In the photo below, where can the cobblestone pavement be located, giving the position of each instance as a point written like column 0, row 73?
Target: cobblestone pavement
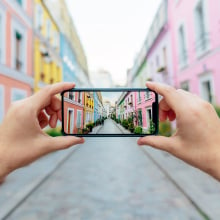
column 109, row 127
column 107, row 178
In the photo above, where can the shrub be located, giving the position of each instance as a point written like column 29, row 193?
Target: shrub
column 85, row 130
column 138, row 130
column 217, row 109
column 151, row 128
column 125, row 124
column 131, row 127
column 165, row 129
column 54, row 132
column 90, row 126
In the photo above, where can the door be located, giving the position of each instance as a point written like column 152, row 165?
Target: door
column 70, row 121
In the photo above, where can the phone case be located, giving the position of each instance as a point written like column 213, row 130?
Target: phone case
column 155, row 106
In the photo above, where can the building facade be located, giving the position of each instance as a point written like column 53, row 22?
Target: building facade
column 89, row 108
column 47, row 61
column 73, row 112
column 16, row 69
column 196, row 43
column 69, row 62
column 77, row 57
column 182, row 48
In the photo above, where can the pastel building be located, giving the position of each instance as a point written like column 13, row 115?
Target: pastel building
column 75, row 68
column 196, row 44
column 16, row 60
column 98, row 106
column 88, row 108
column 47, row 61
column 69, row 63
column 143, row 109
column 129, row 104
column 154, row 61
column 73, row 112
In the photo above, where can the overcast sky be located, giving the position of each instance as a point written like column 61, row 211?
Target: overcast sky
column 112, row 31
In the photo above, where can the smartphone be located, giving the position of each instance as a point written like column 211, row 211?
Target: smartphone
column 119, row 112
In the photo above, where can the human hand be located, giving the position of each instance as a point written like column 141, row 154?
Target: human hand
column 197, row 137
column 22, row 139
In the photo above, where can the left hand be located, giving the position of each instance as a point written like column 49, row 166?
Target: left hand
column 22, row 139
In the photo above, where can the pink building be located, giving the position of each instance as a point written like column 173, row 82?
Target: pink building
column 73, row 112
column 196, row 47
column 129, row 107
column 16, row 59
column 143, row 109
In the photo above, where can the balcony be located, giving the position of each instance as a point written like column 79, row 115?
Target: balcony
column 130, row 103
column 162, row 70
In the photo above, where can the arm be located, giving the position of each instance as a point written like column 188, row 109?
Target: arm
column 197, row 137
column 22, row 139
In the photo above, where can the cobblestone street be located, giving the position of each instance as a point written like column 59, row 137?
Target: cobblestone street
column 107, row 179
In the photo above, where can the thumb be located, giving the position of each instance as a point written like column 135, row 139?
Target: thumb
column 159, row 142
column 64, row 142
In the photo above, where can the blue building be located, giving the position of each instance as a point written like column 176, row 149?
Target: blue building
column 69, row 62
column 96, row 107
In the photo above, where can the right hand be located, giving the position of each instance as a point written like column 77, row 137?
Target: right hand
column 197, row 137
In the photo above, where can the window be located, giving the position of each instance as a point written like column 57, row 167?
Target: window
column 18, row 52
column 165, row 56
column 185, row 86
column 48, row 29
column 206, row 87
column 206, row 90
column 39, row 17
column 147, row 95
column 1, row 103
column 200, row 28
column 79, row 119
column 18, row 94
column 139, row 117
column 1, row 38
column 139, row 96
column 72, row 96
column 182, row 46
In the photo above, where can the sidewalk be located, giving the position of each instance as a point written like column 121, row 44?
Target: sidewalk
column 96, row 129
column 201, row 189
column 21, row 183
column 122, row 129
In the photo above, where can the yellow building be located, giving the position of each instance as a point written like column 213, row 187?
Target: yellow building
column 47, row 61
column 88, row 108
column 67, row 27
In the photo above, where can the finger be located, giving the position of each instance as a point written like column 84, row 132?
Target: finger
column 55, row 104
column 43, row 120
column 59, row 114
column 159, row 142
column 169, row 93
column 171, row 115
column 53, row 120
column 49, row 111
column 63, row 142
column 162, row 115
column 42, row 98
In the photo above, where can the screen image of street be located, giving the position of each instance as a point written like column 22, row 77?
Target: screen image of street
column 116, row 112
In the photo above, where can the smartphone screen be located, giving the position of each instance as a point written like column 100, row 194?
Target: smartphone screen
column 109, row 112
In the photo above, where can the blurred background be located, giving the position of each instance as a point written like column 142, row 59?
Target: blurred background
column 112, row 44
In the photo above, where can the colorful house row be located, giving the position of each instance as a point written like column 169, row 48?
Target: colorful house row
column 182, row 49
column 34, row 51
column 138, row 106
column 81, row 109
